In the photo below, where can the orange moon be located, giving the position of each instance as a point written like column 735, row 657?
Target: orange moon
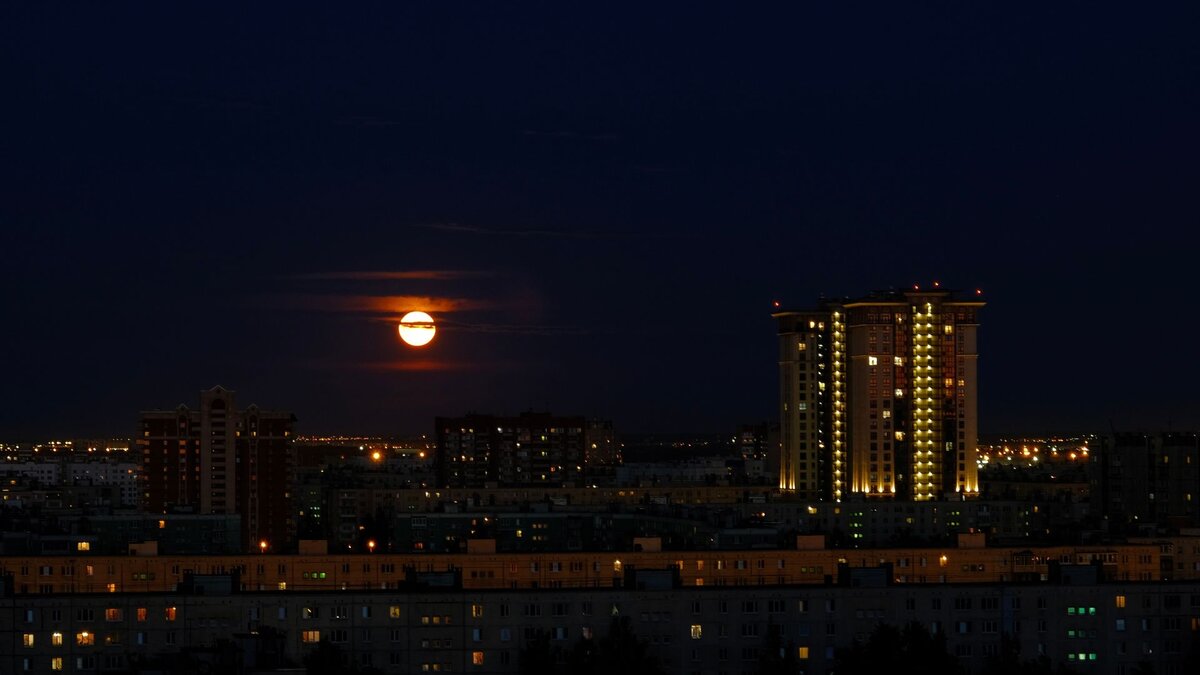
column 417, row 329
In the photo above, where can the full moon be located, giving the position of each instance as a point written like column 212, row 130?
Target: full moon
column 417, row 329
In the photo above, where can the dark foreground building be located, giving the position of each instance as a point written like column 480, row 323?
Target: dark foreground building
column 433, row 625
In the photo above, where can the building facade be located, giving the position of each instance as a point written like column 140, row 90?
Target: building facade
column 879, row 397
column 221, row 460
column 1148, row 479
column 809, row 563
column 534, row 449
column 1088, row 625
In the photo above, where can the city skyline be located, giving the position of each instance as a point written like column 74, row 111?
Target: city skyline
column 599, row 211
column 555, row 338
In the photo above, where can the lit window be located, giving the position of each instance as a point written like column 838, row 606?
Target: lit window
column 697, row 631
column 616, row 565
column 89, row 570
column 1120, row 602
column 282, row 586
column 310, row 636
column 83, row 546
column 112, row 614
column 56, row 663
column 27, row 640
column 477, row 658
column 85, row 639
column 141, row 613
column 112, row 588
column 394, row 612
column 476, row 611
column 949, row 328
column 802, row 652
column 56, row 639
column 899, row 361
column 169, row 614
column 872, row 360
column 162, row 524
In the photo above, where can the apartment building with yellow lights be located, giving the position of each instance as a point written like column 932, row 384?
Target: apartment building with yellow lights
column 879, row 397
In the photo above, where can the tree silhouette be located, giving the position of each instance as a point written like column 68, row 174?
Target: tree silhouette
column 1008, row 662
column 326, row 658
column 911, row 649
column 619, row 651
column 778, row 658
column 538, row 656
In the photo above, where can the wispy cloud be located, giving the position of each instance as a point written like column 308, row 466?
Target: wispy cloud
column 570, row 135
column 450, row 312
column 494, row 328
column 514, row 329
column 393, row 275
column 563, row 234
column 416, row 365
column 378, row 304
column 368, row 121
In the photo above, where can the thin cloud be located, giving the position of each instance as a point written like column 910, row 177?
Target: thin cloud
column 416, row 365
column 393, row 275
column 517, row 329
column 367, row 121
column 379, row 304
column 494, row 328
column 561, row 234
column 570, row 135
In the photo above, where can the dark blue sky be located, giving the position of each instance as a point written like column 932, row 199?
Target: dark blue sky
column 598, row 203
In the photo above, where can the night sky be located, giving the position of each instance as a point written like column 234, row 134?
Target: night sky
column 597, row 204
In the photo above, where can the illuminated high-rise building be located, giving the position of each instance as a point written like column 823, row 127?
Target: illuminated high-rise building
column 222, row 460
column 878, row 397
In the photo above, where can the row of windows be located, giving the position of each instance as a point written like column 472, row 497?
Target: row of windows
column 57, row 663
column 88, row 639
column 110, row 614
